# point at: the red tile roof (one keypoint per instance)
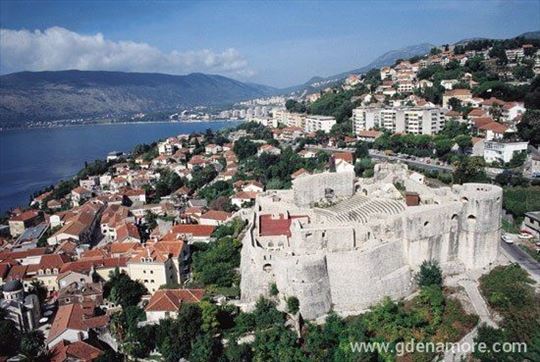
(216, 215)
(495, 127)
(345, 156)
(480, 121)
(370, 134)
(189, 229)
(270, 226)
(71, 316)
(80, 351)
(25, 216)
(170, 300)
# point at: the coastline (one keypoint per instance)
(29, 169)
(119, 123)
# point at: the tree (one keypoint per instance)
(294, 106)
(464, 142)
(174, 337)
(10, 337)
(361, 150)
(443, 146)
(529, 127)
(470, 169)
(293, 305)
(455, 104)
(122, 290)
(205, 348)
(244, 148)
(430, 274)
(33, 345)
(38, 288)
(522, 72)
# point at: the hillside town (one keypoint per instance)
(248, 243)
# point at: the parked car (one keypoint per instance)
(525, 236)
(507, 239)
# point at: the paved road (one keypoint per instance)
(514, 252)
(427, 166)
(381, 156)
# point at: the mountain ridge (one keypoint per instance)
(49, 95)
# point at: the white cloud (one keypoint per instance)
(57, 48)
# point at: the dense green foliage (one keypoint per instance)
(519, 200)
(294, 106)
(509, 291)
(430, 274)
(529, 127)
(244, 148)
(122, 290)
(202, 176)
(470, 169)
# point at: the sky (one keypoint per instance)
(276, 43)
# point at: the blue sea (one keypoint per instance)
(31, 159)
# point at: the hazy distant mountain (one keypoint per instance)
(386, 59)
(527, 35)
(530, 35)
(28, 96)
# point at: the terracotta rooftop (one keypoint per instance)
(270, 226)
(71, 316)
(79, 351)
(25, 216)
(216, 215)
(189, 229)
(345, 156)
(170, 300)
(495, 127)
(370, 133)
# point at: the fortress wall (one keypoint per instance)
(431, 233)
(323, 237)
(480, 223)
(361, 279)
(305, 277)
(310, 189)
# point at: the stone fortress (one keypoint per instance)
(343, 244)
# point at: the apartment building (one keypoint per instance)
(399, 120)
(503, 151)
(319, 123)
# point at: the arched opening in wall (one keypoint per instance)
(267, 267)
(364, 191)
(471, 219)
(454, 218)
(464, 199)
(329, 193)
(356, 188)
(426, 223)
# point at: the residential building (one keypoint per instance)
(165, 303)
(319, 123)
(464, 95)
(502, 151)
(214, 218)
(20, 222)
(531, 223)
(416, 120)
(191, 233)
(72, 325)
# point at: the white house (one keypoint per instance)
(502, 151)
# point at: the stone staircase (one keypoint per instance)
(358, 209)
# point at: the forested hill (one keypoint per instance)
(28, 96)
